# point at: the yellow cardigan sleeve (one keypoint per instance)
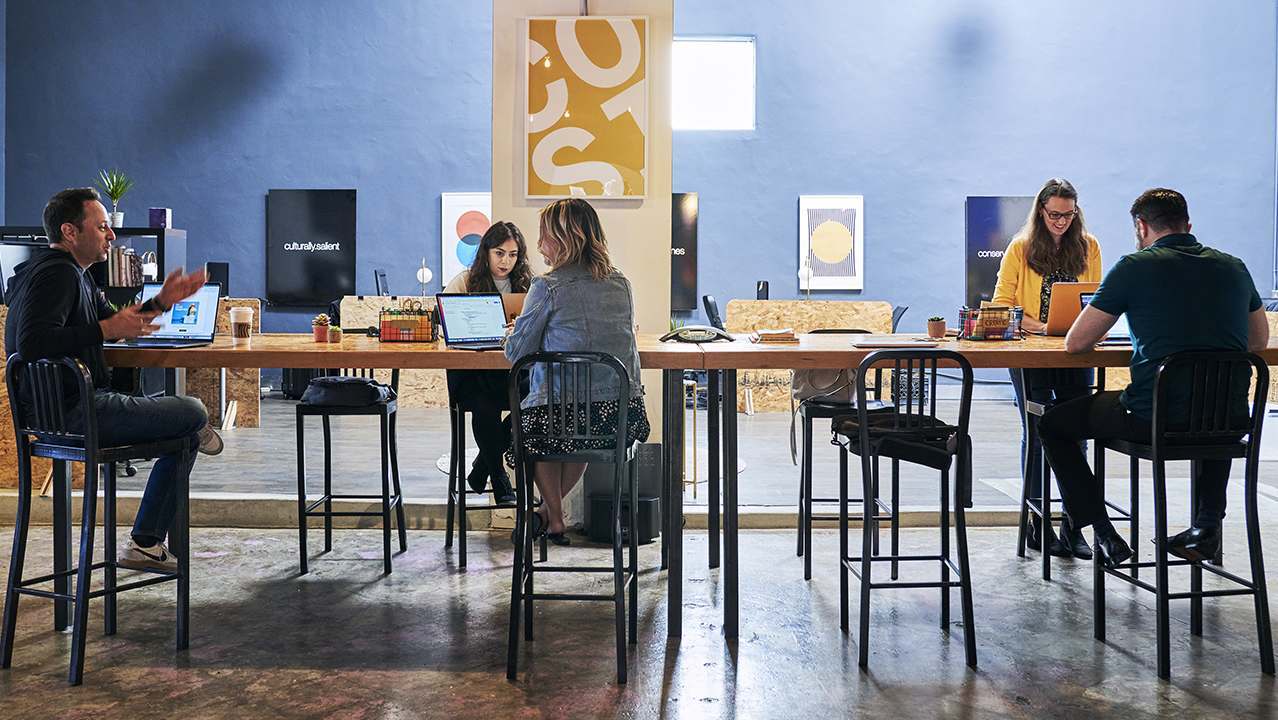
(1007, 287)
(1093, 270)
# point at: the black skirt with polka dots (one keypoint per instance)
(603, 421)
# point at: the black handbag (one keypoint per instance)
(346, 391)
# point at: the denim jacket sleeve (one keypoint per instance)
(530, 326)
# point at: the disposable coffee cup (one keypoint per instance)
(241, 325)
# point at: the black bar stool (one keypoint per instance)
(458, 490)
(826, 409)
(45, 433)
(570, 420)
(909, 430)
(1211, 433)
(385, 411)
(1042, 509)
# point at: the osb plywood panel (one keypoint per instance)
(771, 388)
(242, 385)
(417, 388)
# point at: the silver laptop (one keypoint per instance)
(1119, 334)
(189, 323)
(472, 321)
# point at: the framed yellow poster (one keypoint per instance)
(586, 104)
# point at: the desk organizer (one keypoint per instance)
(406, 325)
(990, 323)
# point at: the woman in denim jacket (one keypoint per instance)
(582, 305)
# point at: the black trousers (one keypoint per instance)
(484, 395)
(1044, 385)
(1103, 417)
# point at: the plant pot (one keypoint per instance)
(334, 334)
(117, 219)
(320, 332)
(936, 329)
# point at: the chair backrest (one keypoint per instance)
(380, 283)
(914, 369)
(569, 398)
(712, 311)
(897, 313)
(45, 386)
(359, 372)
(838, 331)
(1214, 379)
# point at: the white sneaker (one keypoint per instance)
(210, 441)
(156, 557)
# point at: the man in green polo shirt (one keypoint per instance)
(1178, 295)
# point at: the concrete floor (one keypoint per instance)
(429, 641)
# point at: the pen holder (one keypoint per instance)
(990, 323)
(406, 325)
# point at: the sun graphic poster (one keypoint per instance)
(831, 242)
(464, 220)
(585, 105)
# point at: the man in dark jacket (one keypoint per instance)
(56, 310)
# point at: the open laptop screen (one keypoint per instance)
(1120, 329)
(471, 318)
(191, 319)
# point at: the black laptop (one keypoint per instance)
(189, 323)
(472, 321)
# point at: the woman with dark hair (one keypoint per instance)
(500, 265)
(583, 304)
(1053, 246)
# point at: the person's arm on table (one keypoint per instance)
(1088, 329)
(1257, 330)
(529, 327)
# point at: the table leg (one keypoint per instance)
(672, 543)
(712, 472)
(729, 575)
(61, 542)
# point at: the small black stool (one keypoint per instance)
(1130, 515)
(385, 411)
(1210, 434)
(458, 489)
(569, 374)
(909, 430)
(45, 434)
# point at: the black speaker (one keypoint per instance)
(600, 530)
(220, 273)
(761, 290)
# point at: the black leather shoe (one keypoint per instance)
(1033, 541)
(502, 492)
(1073, 540)
(1113, 550)
(558, 539)
(477, 478)
(1196, 544)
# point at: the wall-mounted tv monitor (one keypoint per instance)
(310, 246)
(683, 252)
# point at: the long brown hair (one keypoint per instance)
(479, 278)
(573, 224)
(1042, 254)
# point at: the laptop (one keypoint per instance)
(1065, 305)
(1119, 334)
(189, 323)
(894, 340)
(472, 321)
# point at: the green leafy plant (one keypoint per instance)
(935, 318)
(115, 185)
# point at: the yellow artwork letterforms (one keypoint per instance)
(586, 107)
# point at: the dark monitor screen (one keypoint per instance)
(683, 252)
(310, 246)
(990, 224)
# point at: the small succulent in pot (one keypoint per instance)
(319, 327)
(936, 327)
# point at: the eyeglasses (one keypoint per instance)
(1058, 216)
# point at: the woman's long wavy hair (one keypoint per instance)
(479, 278)
(574, 226)
(1042, 254)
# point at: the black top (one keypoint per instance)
(54, 309)
(1178, 295)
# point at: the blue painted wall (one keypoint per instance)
(209, 105)
(912, 105)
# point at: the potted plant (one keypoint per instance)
(115, 185)
(936, 327)
(334, 334)
(319, 327)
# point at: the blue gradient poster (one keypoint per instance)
(990, 224)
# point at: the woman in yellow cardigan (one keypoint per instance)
(1053, 246)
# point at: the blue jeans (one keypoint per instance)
(128, 419)
(1045, 385)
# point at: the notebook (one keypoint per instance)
(472, 321)
(189, 323)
